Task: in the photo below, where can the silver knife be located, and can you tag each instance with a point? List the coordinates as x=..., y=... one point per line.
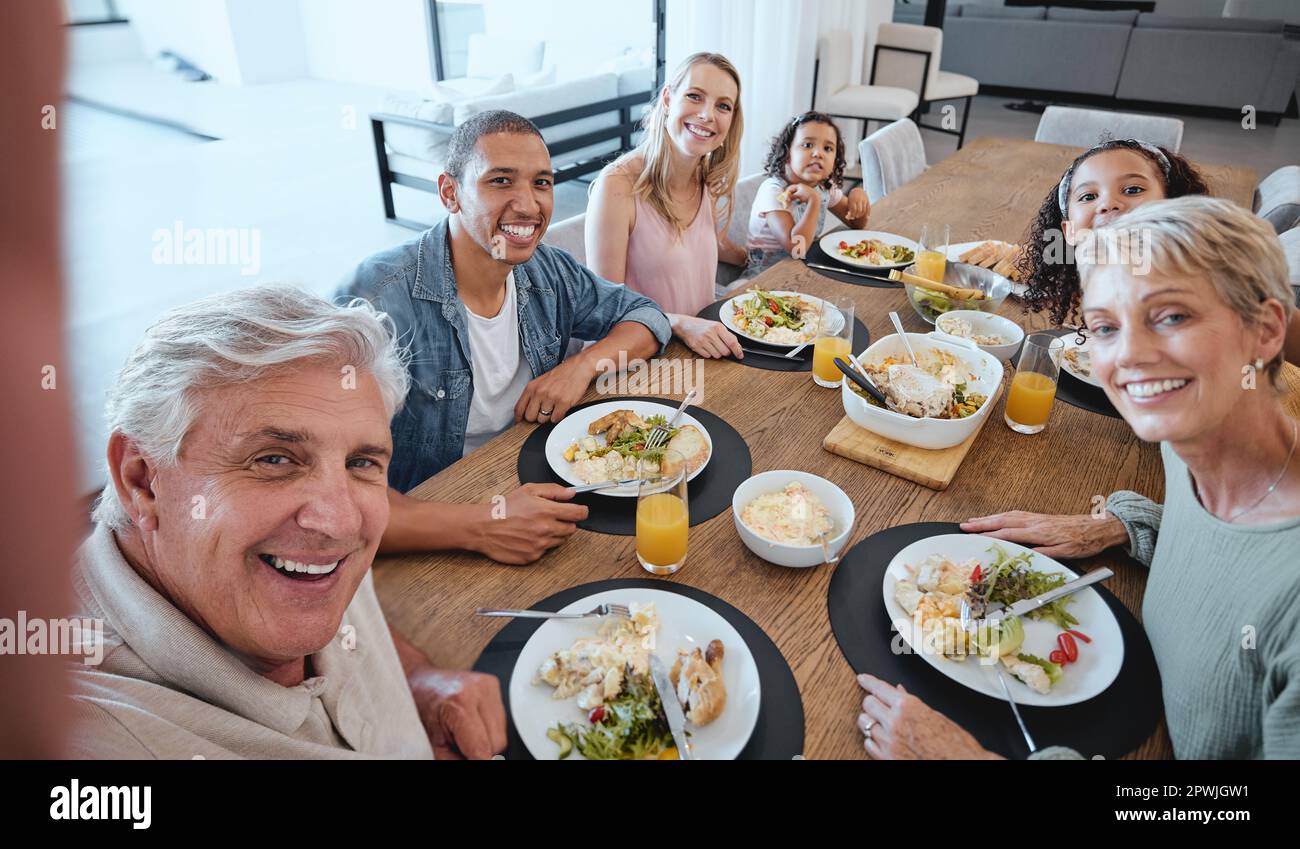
x=847, y=271
x=672, y=708
x=764, y=353
x=997, y=612
x=593, y=487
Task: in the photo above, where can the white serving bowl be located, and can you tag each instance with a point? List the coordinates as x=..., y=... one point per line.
x=794, y=556
x=985, y=324
x=925, y=433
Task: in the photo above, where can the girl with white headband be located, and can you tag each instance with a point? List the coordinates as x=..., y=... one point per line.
x=1101, y=184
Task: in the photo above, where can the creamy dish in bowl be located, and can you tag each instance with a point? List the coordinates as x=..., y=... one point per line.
x=790, y=516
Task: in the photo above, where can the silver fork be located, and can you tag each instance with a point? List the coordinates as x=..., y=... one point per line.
x=659, y=433
x=997, y=667
x=619, y=610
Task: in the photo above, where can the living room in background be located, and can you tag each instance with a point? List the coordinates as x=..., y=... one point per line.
x=582, y=70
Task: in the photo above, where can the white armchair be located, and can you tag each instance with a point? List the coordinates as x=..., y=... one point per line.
x=908, y=56
x=835, y=94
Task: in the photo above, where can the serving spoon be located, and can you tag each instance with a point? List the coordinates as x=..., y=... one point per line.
x=861, y=380
x=898, y=326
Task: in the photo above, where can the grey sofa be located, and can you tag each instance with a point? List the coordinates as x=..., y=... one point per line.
x=1226, y=63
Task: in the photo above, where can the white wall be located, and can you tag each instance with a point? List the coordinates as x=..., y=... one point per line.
x=197, y=30
x=773, y=44
x=597, y=27
x=268, y=40
x=377, y=42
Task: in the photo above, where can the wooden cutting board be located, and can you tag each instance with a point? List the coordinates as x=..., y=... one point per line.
x=930, y=468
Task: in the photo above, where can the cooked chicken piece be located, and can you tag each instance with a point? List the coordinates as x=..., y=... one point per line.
x=1034, y=676
x=938, y=573
x=616, y=423
x=697, y=678
x=691, y=444
x=908, y=596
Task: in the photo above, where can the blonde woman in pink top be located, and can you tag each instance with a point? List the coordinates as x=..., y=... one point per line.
x=652, y=223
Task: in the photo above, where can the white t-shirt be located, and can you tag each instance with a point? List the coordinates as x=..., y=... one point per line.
x=501, y=370
x=761, y=235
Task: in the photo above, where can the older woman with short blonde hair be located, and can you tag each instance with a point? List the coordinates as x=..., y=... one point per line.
x=1189, y=352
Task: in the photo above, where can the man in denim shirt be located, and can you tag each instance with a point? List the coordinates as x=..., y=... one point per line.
x=487, y=311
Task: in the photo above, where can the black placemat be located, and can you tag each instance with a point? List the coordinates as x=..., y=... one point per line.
x=820, y=257
x=708, y=494
x=1075, y=392
x=1111, y=724
x=800, y=362
x=778, y=733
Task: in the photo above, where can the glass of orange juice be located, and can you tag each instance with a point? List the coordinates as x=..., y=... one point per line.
x=1029, y=400
x=662, y=513
x=932, y=254
x=834, y=339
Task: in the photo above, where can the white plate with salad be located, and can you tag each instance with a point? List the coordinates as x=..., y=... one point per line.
x=1076, y=359
x=1041, y=667
x=873, y=249
x=579, y=456
x=585, y=722
x=781, y=318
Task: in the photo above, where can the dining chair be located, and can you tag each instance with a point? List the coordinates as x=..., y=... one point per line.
x=568, y=235
x=1291, y=246
x=890, y=157
x=835, y=94
x=908, y=56
x=1087, y=127
x=1277, y=200
x=738, y=228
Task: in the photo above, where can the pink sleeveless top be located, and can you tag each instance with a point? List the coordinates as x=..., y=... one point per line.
x=676, y=272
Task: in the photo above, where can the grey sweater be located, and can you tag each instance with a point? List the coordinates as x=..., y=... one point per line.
x=1222, y=611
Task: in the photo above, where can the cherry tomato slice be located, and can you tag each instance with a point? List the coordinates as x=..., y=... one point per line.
x=1080, y=635
x=1057, y=656
x=597, y=714
x=975, y=576
x=1068, y=645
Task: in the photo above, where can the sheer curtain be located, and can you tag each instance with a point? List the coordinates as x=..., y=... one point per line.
x=773, y=43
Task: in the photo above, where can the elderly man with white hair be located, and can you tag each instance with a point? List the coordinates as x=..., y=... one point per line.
x=230, y=560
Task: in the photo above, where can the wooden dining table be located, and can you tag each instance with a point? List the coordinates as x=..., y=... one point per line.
x=990, y=189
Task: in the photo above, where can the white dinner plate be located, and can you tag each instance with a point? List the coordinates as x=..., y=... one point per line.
x=955, y=252
x=1099, y=661
x=1072, y=343
x=727, y=314
x=830, y=243
x=574, y=427
x=684, y=623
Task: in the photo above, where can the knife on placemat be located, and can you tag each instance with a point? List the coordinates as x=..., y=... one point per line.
x=672, y=708
x=997, y=612
x=771, y=354
x=820, y=267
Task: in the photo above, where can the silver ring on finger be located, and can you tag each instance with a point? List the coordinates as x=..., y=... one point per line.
x=545, y=412
x=866, y=728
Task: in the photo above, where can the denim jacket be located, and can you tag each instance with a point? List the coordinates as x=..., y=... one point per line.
x=558, y=298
